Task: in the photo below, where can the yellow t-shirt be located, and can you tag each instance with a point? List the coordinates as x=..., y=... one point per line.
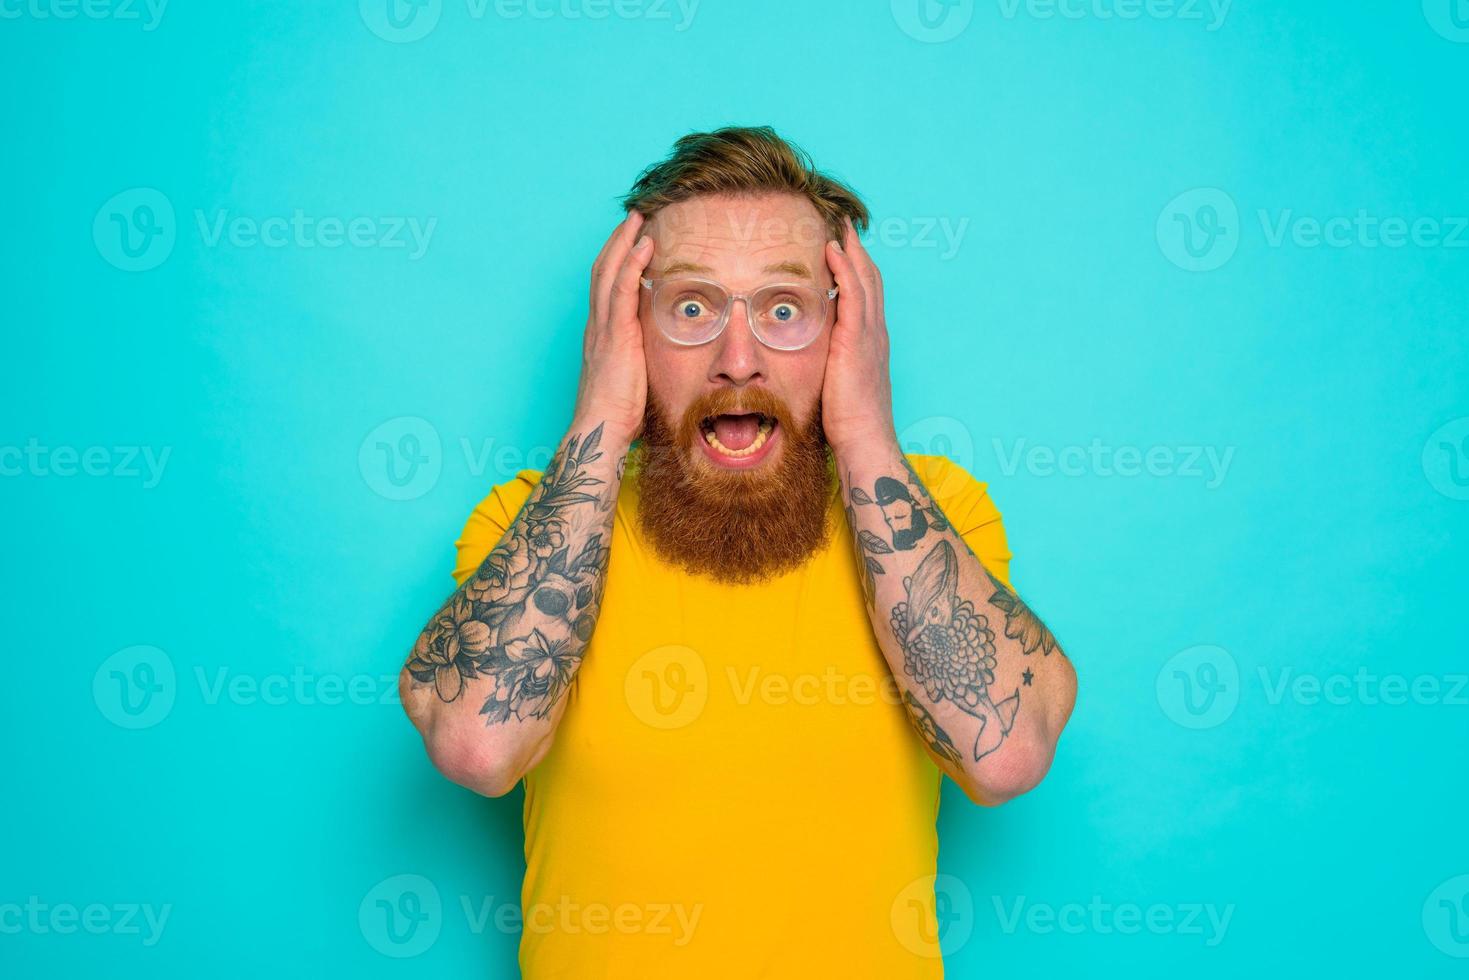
x=734, y=789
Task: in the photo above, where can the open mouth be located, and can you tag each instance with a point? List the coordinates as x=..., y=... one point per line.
x=737, y=436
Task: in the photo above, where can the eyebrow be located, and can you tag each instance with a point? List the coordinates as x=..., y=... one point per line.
x=789, y=267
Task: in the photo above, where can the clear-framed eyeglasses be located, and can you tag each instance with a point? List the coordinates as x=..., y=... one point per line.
x=784, y=316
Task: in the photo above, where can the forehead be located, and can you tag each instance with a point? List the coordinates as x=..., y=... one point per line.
x=739, y=235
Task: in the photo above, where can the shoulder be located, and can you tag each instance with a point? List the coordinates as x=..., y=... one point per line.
x=966, y=503
x=490, y=519
x=953, y=487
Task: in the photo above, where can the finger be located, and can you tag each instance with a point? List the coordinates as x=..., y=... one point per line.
x=624, y=289
x=609, y=260
x=866, y=268
x=851, y=294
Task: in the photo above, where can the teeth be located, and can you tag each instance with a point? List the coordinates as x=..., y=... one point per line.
x=761, y=435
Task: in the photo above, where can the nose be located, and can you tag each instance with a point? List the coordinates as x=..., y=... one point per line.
x=739, y=357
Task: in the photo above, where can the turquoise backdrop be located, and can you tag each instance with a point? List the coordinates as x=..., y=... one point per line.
x=289, y=285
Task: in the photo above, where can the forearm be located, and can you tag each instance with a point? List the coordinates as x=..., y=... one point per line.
x=984, y=682
x=486, y=681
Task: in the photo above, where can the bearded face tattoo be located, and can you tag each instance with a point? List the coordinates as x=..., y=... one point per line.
x=907, y=522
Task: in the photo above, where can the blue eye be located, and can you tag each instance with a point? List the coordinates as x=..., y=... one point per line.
x=784, y=312
x=690, y=310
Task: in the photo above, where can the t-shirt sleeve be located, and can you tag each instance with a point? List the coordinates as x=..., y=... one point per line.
x=966, y=502
x=489, y=522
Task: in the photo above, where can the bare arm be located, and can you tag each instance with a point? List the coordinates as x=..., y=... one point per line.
x=487, y=679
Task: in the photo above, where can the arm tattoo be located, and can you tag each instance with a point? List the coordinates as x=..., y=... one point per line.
x=928, y=729
x=1021, y=624
x=949, y=649
x=948, y=645
x=526, y=616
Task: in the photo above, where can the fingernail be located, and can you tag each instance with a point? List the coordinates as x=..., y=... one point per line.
x=642, y=241
x=836, y=245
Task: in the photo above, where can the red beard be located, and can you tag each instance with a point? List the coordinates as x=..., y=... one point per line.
x=734, y=525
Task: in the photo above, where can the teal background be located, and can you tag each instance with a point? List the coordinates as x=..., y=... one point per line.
x=271, y=546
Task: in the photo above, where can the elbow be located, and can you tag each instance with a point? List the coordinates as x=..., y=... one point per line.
x=1013, y=771
x=465, y=758
x=460, y=748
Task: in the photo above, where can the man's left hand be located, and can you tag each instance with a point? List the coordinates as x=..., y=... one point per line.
x=857, y=393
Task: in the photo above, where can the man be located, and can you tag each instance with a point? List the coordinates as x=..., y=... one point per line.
x=707, y=650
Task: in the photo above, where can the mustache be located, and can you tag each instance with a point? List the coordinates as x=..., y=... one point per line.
x=731, y=401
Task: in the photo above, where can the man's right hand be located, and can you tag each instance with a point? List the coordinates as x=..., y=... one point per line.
x=614, y=373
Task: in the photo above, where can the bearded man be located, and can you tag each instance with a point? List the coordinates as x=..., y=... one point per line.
x=733, y=637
